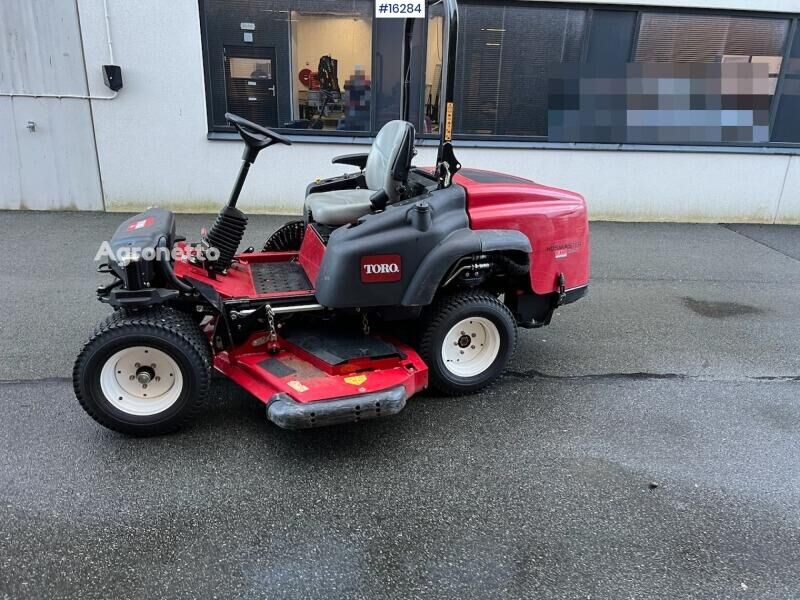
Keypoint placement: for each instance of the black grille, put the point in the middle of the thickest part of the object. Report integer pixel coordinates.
(276, 277)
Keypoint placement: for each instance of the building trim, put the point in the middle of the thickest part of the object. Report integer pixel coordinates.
(772, 6)
(366, 140)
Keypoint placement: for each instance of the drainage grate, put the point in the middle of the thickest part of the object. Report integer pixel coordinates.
(277, 277)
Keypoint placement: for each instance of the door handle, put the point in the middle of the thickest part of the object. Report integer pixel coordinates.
(272, 89)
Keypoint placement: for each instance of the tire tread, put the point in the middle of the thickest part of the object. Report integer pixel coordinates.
(439, 312)
(168, 320)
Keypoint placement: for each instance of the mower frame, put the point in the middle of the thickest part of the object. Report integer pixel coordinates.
(333, 324)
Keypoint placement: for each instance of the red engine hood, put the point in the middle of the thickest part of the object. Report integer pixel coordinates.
(490, 182)
(554, 220)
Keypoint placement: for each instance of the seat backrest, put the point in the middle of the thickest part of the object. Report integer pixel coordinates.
(390, 158)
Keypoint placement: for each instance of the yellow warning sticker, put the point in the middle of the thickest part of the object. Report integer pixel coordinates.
(448, 123)
(297, 386)
(355, 379)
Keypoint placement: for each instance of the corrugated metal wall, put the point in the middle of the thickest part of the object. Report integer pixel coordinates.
(48, 158)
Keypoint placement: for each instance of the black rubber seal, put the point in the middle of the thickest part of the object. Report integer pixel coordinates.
(287, 413)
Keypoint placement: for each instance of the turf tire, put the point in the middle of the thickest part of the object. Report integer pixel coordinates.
(165, 329)
(448, 312)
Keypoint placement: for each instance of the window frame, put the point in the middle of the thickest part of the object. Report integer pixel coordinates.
(217, 132)
(533, 142)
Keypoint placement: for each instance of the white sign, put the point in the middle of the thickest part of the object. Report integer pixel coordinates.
(407, 9)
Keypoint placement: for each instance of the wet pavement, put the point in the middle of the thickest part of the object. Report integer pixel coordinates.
(643, 446)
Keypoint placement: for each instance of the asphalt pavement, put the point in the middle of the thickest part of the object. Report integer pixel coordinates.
(645, 445)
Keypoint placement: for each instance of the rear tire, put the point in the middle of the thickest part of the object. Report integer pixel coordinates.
(143, 373)
(467, 340)
(288, 237)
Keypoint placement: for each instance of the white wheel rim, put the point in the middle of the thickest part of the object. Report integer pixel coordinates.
(141, 381)
(471, 347)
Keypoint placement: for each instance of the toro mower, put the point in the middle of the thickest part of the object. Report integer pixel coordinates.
(397, 278)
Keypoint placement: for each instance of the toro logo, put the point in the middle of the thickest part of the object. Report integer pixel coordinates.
(141, 224)
(381, 268)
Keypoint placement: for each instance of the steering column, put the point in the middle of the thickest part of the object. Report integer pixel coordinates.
(228, 230)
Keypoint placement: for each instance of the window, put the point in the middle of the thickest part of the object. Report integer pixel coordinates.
(250, 84)
(728, 103)
(388, 81)
(687, 38)
(332, 65)
(505, 58)
(291, 64)
(433, 71)
(720, 104)
(526, 69)
(786, 127)
(693, 79)
(238, 34)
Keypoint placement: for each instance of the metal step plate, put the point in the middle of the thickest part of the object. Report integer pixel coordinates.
(279, 277)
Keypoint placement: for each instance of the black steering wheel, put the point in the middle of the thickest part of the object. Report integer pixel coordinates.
(254, 135)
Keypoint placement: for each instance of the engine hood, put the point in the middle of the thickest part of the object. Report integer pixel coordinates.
(491, 182)
(554, 220)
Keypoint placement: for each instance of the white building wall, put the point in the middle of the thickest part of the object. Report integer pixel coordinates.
(657, 186)
(152, 144)
(47, 151)
(152, 141)
(789, 205)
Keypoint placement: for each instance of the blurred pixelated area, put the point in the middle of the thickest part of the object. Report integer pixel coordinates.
(691, 79)
(358, 94)
(662, 103)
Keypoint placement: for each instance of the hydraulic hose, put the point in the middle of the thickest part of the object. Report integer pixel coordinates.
(511, 266)
(167, 270)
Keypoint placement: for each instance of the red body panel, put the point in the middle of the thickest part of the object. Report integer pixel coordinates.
(238, 281)
(555, 221)
(315, 381)
(312, 251)
(312, 379)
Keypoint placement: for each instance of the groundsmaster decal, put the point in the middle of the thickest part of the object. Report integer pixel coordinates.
(564, 248)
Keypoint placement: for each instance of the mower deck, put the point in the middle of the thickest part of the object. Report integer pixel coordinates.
(319, 378)
(311, 377)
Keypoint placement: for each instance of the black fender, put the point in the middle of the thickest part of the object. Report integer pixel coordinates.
(508, 240)
(462, 242)
(401, 230)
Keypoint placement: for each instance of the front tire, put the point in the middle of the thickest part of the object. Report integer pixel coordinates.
(144, 373)
(467, 341)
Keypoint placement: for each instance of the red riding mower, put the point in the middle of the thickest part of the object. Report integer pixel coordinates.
(396, 278)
